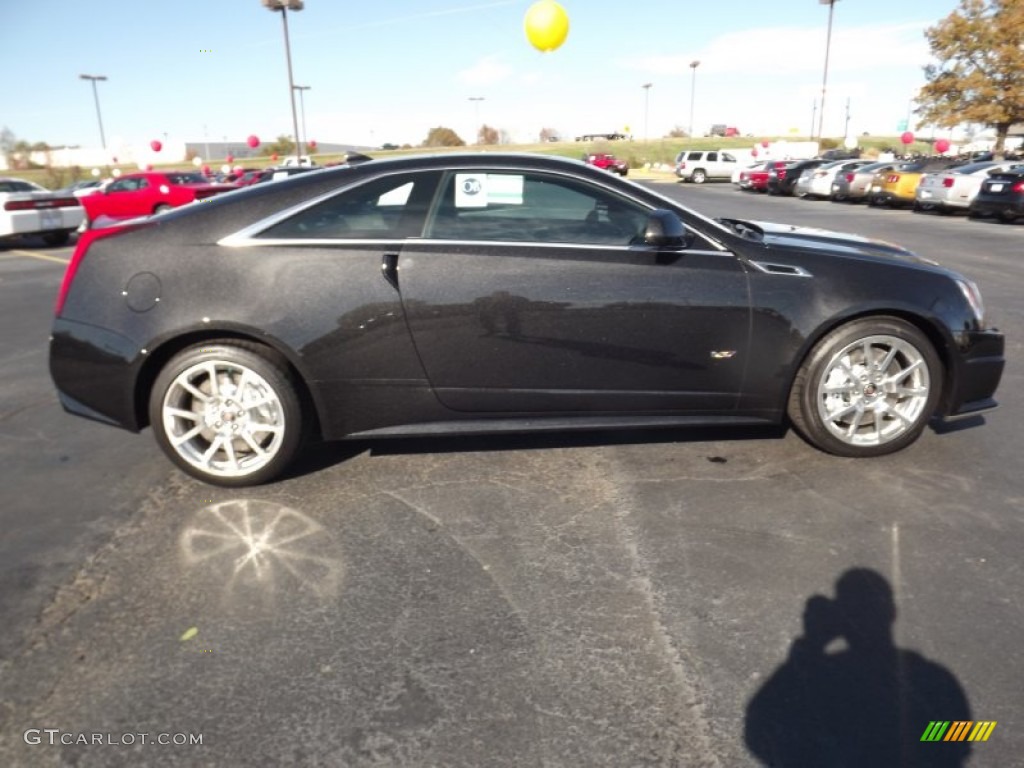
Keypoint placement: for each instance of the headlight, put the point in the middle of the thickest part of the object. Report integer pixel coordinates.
(973, 296)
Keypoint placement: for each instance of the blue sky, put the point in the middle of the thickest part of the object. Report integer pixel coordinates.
(388, 71)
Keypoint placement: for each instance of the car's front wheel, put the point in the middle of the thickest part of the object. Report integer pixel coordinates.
(867, 389)
(227, 412)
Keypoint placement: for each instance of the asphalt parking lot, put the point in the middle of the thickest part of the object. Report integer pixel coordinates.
(632, 599)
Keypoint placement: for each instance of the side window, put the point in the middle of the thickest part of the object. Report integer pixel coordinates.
(122, 185)
(532, 207)
(387, 208)
(727, 158)
(142, 183)
(697, 156)
(712, 157)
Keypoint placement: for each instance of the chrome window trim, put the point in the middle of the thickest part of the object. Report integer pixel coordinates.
(247, 236)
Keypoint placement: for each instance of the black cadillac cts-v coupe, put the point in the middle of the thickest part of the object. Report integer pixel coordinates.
(477, 293)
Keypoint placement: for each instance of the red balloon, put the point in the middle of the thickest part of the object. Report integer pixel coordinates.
(907, 137)
(941, 145)
(206, 170)
(149, 167)
(155, 145)
(765, 144)
(311, 144)
(230, 159)
(253, 141)
(273, 157)
(753, 152)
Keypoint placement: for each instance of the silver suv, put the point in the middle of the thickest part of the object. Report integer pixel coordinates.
(699, 166)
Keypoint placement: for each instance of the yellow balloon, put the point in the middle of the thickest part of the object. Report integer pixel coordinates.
(547, 25)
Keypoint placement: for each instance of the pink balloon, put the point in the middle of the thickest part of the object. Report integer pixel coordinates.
(114, 159)
(942, 145)
(311, 144)
(273, 157)
(230, 159)
(149, 167)
(753, 152)
(907, 137)
(206, 170)
(765, 144)
(155, 145)
(253, 141)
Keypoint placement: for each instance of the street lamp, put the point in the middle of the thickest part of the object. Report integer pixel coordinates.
(476, 101)
(302, 107)
(647, 95)
(96, 98)
(284, 6)
(693, 91)
(824, 79)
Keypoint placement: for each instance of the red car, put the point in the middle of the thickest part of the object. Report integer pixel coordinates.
(143, 194)
(608, 162)
(757, 178)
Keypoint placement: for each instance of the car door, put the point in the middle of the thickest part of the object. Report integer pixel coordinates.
(531, 291)
(119, 198)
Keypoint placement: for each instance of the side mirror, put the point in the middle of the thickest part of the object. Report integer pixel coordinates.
(665, 229)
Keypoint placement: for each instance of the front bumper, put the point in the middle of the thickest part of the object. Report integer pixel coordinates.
(976, 374)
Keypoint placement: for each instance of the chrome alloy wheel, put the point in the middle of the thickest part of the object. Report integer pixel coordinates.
(873, 390)
(223, 418)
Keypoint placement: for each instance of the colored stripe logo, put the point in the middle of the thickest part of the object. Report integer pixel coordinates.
(958, 730)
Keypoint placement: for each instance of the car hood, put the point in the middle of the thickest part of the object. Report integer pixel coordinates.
(840, 243)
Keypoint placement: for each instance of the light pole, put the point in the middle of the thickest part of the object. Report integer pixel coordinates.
(302, 107)
(476, 102)
(284, 6)
(96, 98)
(647, 96)
(693, 91)
(824, 80)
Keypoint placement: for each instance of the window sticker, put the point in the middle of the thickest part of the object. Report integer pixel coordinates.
(470, 190)
(504, 189)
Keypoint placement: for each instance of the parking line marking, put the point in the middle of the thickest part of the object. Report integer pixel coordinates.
(43, 256)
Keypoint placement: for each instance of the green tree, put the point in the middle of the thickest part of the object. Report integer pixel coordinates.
(443, 137)
(282, 147)
(979, 74)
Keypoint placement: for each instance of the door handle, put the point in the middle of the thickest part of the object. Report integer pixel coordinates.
(389, 268)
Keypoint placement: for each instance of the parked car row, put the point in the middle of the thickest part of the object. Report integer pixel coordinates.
(986, 188)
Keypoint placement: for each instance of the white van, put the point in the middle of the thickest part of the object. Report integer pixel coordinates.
(700, 165)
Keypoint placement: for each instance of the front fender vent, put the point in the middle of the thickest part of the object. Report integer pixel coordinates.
(781, 269)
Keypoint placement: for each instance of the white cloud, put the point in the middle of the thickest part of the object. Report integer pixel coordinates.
(797, 50)
(486, 71)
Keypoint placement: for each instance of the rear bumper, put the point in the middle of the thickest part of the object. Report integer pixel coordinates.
(94, 371)
(985, 207)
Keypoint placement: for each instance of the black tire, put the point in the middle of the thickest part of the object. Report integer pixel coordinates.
(268, 412)
(840, 378)
(698, 176)
(56, 238)
(1007, 217)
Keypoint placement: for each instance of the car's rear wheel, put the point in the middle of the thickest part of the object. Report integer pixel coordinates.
(867, 389)
(228, 413)
(161, 208)
(698, 176)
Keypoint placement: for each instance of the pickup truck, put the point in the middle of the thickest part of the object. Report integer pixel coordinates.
(608, 162)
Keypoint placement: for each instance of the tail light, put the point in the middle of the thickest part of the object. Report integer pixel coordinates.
(682, 165)
(85, 239)
(947, 182)
(892, 178)
(41, 205)
(849, 178)
(782, 173)
(1018, 187)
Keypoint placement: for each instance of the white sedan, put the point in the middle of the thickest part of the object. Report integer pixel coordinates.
(817, 182)
(28, 209)
(954, 189)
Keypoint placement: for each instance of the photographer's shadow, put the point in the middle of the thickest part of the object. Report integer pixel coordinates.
(866, 704)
